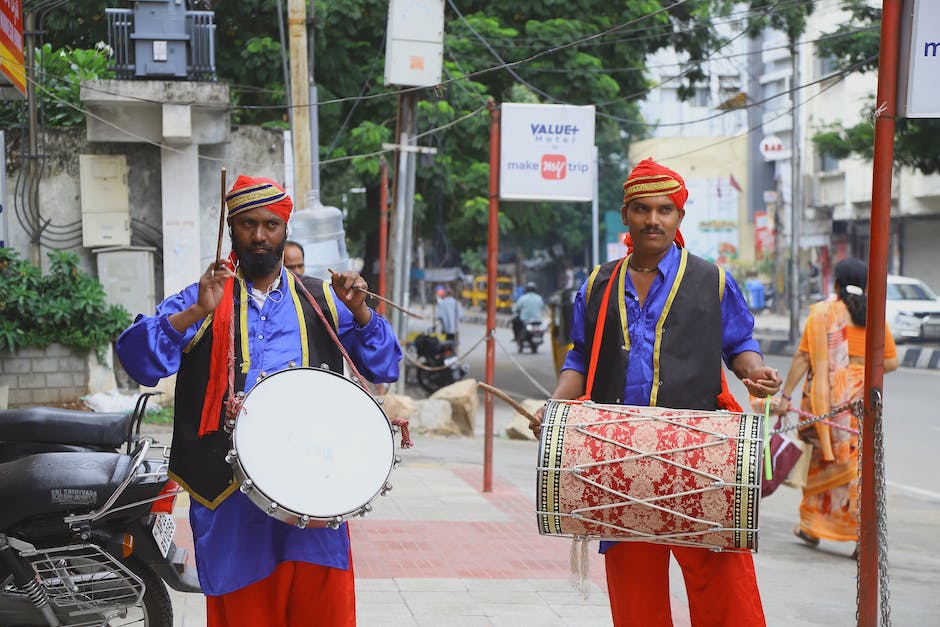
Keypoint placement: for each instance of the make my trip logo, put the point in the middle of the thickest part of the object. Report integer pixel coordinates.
(554, 167)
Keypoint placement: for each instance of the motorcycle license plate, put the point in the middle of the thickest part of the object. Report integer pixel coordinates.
(163, 529)
(449, 361)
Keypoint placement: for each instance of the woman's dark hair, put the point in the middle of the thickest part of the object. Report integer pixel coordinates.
(852, 272)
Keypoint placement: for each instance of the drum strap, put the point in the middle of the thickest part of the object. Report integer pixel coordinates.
(599, 332)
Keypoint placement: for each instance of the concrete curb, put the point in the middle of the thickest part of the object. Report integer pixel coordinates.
(908, 356)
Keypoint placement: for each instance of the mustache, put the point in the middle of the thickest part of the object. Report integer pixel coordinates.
(652, 231)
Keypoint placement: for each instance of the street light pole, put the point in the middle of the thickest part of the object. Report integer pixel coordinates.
(796, 204)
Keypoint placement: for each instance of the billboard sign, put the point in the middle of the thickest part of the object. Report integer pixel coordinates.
(546, 152)
(11, 43)
(919, 89)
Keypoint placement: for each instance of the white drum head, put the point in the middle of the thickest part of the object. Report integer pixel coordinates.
(314, 442)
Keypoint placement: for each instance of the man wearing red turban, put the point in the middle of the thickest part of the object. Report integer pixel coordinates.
(659, 340)
(249, 313)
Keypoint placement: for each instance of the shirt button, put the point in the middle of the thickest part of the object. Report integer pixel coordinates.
(263, 318)
(260, 337)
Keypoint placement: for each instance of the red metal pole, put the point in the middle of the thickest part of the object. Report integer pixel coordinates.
(383, 233)
(882, 167)
(492, 260)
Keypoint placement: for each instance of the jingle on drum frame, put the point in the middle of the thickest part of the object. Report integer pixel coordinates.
(572, 500)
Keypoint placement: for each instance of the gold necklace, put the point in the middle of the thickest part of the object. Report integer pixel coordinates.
(641, 269)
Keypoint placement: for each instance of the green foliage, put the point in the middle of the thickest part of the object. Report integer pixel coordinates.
(159, 416)
(59, 74)
(915, 140)
(480, 38)
(65, 306)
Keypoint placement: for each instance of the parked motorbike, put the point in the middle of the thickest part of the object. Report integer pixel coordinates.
(437, 362)
(528, 334)
(86, 530)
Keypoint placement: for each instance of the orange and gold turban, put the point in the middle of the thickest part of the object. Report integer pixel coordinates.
(250, 193)
(649, 179)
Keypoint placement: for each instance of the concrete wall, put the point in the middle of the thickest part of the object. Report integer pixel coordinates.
(43, 376)
(251, 150)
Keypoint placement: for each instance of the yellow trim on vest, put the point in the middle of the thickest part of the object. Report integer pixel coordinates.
(202, 331)
(202, 501)
(721, 284)
(243, 323)
(304, 348)
(622, 303)
(328, 294)
(657, 344)
(590, 284)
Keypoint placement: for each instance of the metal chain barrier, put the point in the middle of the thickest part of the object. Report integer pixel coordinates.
(856, 407)
(881, 513)
(521, 369)
(459, 359)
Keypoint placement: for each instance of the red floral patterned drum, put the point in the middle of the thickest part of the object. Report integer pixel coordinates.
(650, 474)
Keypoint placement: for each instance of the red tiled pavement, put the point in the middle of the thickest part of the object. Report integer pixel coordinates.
(467, 549)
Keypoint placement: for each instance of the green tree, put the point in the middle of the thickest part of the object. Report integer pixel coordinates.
(584, 52)
(915, 140)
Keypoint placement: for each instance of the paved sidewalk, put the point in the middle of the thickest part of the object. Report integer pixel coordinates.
(438, 551)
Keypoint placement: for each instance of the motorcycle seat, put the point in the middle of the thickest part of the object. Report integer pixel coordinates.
(65, 426)
(58, 483)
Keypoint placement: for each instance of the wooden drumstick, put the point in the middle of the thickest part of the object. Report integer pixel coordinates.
(502, 395)
(218, 249)
(384, 300)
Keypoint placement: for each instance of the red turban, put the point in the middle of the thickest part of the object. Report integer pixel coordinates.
(247, 193)
(250, 193)
(650, 179)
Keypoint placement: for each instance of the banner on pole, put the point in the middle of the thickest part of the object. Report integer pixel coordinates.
(546, 152)
(11, 43)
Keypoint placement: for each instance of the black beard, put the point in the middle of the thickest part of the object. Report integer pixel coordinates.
(256, 265)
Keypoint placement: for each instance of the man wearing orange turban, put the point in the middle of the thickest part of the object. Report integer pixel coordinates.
(246, 313)
(659, 340)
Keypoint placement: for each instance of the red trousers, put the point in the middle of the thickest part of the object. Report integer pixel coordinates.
(296, 594)
(722, 587)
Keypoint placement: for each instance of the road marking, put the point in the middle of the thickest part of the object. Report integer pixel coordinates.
(926, 494)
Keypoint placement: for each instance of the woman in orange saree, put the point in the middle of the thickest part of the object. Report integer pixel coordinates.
(832, 357)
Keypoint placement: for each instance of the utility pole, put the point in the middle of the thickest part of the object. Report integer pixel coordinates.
(796, 204)
(29, 58)
(313, 115)
(300, 120)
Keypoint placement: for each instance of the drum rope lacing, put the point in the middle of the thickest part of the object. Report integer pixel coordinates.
(675, 538)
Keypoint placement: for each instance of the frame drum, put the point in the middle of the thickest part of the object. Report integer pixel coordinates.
(312, 448)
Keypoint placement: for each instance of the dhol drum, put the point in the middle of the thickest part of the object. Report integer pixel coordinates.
(650, 474)
(312, 448)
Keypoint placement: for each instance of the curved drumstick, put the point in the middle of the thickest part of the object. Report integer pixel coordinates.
(383, 299)
(503, 396)
(218, 250)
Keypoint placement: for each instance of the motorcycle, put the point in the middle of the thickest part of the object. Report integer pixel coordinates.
(86, 531)
(437, 362)
(528, 334)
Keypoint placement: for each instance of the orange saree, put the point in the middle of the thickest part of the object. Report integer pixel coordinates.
(830, 498)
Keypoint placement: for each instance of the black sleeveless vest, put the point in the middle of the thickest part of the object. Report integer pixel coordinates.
(687, 357)
(198, 464)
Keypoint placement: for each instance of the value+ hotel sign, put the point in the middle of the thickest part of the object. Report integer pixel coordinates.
(546, 152)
